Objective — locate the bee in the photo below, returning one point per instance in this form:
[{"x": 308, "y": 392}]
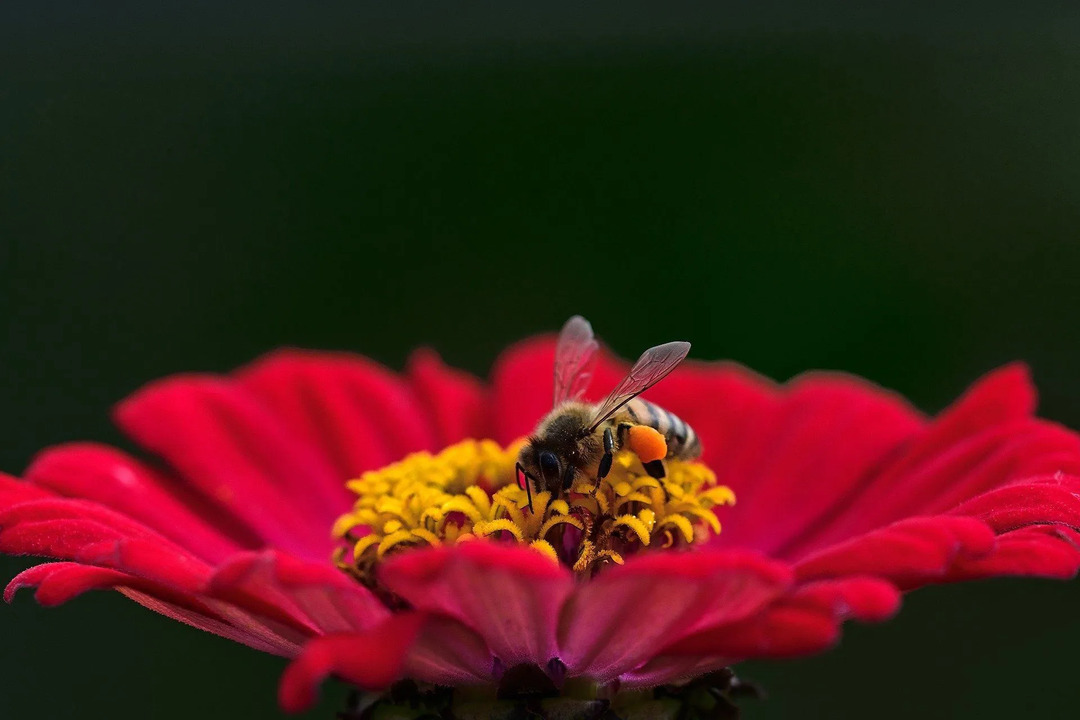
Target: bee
[{"x": 578, "y": 439}]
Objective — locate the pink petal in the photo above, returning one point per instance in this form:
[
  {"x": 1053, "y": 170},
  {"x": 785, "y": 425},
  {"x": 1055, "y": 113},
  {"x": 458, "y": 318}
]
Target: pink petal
[
  {"x": 237, "y": 453},
  {"x": 509, "y": 595},
  {"x": 666, "y": 669},
  {"x": 112, "y": 478},
  {"x": 448, "y": 653},
  {"x": 239, "y": 628},
  {"x": 624, "y": 616},
  {"x": 371, "y": 660}
]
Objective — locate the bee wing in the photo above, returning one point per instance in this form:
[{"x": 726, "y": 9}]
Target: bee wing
[
  {"x": 574, "y": 357},
  {"x": 652, "y": 367}
]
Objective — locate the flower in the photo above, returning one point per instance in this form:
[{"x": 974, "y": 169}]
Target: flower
[{"x": 429, "y": 565}]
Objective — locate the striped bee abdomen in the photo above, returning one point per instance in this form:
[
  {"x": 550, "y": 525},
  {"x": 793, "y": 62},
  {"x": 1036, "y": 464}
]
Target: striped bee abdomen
[{"x": 682, "y": 441}]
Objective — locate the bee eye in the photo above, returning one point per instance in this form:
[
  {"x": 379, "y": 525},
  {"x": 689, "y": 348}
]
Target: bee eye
[{"x": 549, "y": 464}]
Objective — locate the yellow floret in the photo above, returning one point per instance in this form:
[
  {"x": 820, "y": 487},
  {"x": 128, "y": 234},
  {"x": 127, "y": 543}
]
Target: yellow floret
[{"x": 469, "y": 491}]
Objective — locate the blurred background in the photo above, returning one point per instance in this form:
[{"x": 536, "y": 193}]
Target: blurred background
[{"x": 893, "y": 192}]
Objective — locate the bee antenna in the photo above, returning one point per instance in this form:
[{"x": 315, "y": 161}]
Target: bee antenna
[{"x": 528, "y": 486}]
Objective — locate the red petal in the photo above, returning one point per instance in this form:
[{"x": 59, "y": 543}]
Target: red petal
[
  {"x": 868, "y": 599},
  {"x": 371, "y": 660},
  {"x": 806, "y": 621},
  {"x": 799, "y": 457},
  {"x": 1021, "y": 449},
  {"x": 110, "y": 477},
  {"x": 61, "y": 581},
  {"x": 85, "y": 532},
  {"x": 319, "y": 598},
  {"x": 457, "y": 404},
  {"x": 623, "y": 617},
  {"x": 13, "y": 491},
  {"x": 1046, "y": 551},
  {"x": 523, "y": 386},
  {"x": 983, "y": 460},
  {"x": 58, "y": 582},
  {"x": 1048, "y": 499},
  {"x": 910, "y": 552},
  {"x": 221, "y": 439},
  {"x": 509, "y": 595},
  {"x": 967, "y": 446},
  {"x": 719, "y": 401},
  {"x": 784, "y": 630},
  {"x": 357, "y": 414}
]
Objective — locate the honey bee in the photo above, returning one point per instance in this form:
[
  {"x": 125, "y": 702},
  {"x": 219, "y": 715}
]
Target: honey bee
[{"x": 578, "y": 439}]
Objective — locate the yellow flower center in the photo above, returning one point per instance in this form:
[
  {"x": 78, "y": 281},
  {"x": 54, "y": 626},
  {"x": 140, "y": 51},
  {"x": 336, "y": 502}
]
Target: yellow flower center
[{"x": 469, "y": 491}]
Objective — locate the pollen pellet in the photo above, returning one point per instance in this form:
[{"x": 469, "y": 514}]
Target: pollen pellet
[
  {"x": 468, "y": 493},
  {"x": 647, "y": 443}
]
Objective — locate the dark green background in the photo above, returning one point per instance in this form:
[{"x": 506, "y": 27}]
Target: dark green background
[{"x": 890, "y": 192}]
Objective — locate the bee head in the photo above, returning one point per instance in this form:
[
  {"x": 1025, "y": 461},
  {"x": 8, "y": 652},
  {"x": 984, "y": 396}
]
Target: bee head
[{"x": 549, "y": 467}]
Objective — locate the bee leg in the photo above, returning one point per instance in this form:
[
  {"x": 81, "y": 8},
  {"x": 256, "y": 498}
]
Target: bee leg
[
  {"x": 528, "y": 486},
  {"x": 605, "y": 461},
  {"x": 655, "y": 469},
  {"x": 609, "y": 449},
  {"x": 568, "y": 478}
]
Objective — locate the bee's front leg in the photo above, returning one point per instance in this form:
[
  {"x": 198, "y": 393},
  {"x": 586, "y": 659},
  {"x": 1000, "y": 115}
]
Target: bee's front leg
[{"x": 605, "y": 461}]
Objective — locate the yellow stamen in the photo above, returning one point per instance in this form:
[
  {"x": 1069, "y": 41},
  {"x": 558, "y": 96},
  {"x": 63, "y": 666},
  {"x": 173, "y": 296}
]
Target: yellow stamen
[
  {"x": 610, "y": 555},
  {"x": 393, "y": 539},
  {"x": 546, "y": 548},
  {"x": 636, "y": 525},
  {"x": 558, "y": 519},
  {"x": 483, "y": 529},
  {"x": 585, "y": 557},
  {"x": 363, "y": 544},
  {"x": 682, "y": 523},
  {"x": 469, "y": 491}
]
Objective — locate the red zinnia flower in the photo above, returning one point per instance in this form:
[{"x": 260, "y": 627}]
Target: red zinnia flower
[{"x": 847, "y": 496}]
